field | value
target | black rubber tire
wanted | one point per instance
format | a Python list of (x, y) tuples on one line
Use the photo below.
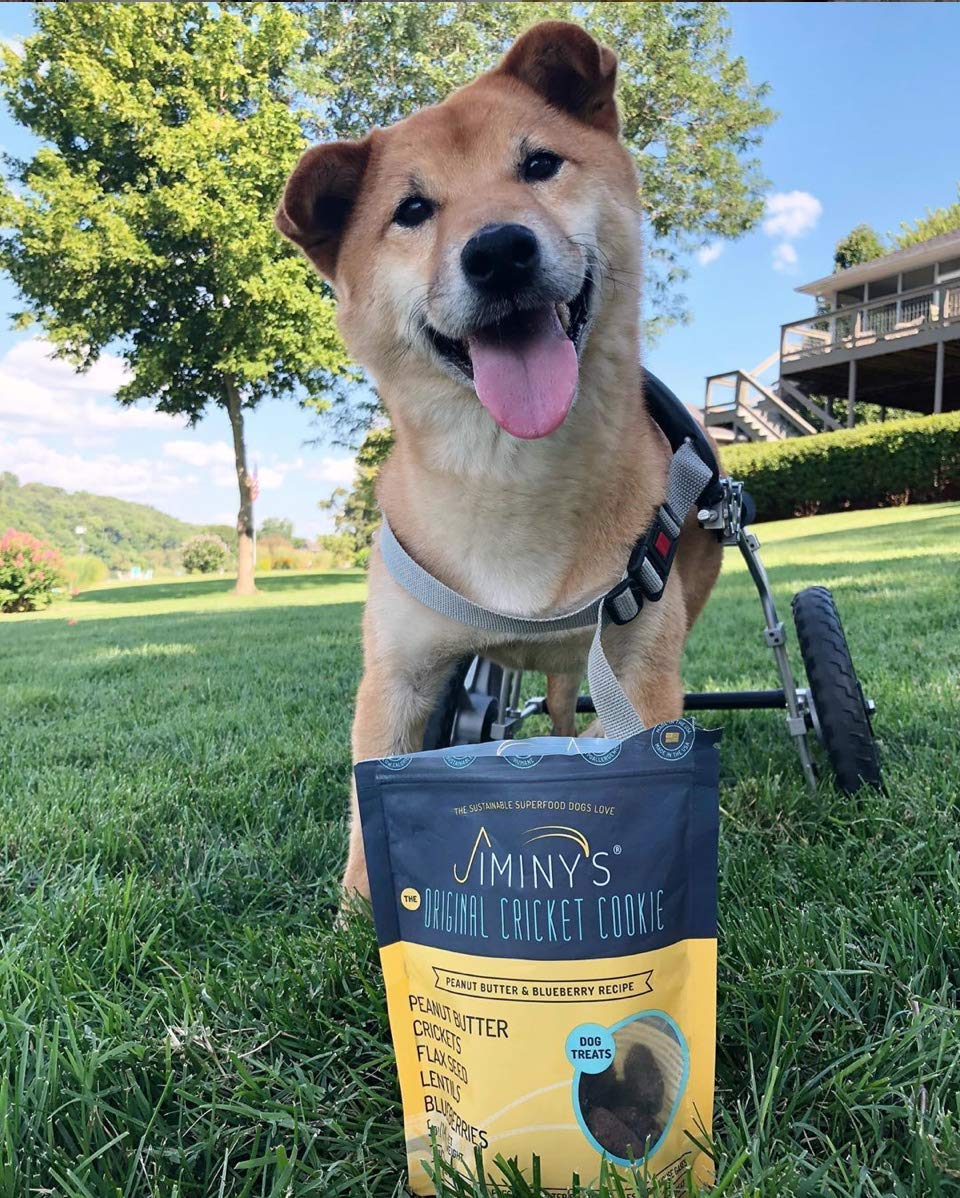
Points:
[(835, 689), (440, 724), (443, 727)]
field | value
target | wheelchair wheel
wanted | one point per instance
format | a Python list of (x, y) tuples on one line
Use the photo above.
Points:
[(840, 713), (467, 707)]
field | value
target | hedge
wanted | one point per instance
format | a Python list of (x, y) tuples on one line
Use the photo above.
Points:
[(877, 465)]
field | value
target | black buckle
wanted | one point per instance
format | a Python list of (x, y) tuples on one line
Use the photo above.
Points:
[(627, 584), (659, 548)]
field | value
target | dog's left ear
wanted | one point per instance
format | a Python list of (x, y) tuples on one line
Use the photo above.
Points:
[(569, 69)]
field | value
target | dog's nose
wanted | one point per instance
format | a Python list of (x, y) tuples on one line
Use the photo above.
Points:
[(500, 260)]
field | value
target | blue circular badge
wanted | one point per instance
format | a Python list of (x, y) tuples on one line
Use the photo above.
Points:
[(673, 740), (396, 763), (518, 756), (604, 758), (591, 1048), (458, 762)]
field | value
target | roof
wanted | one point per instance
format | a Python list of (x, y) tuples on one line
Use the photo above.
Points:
[(924, 253)]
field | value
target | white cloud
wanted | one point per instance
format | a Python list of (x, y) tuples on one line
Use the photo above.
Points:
[(338, 472), (201, 454), (784, 257), (114, 474), (41, 395), (271, 479), (33, 359), (790, 214), (709, 253), (216, 458)]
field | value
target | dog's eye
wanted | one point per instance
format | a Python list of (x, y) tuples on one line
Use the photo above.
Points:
[(540, 165), (413, 211)]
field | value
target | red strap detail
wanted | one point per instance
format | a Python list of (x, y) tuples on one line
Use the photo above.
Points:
[(662, 544)]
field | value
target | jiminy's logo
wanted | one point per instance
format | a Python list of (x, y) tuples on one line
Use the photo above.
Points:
[(538, 869)]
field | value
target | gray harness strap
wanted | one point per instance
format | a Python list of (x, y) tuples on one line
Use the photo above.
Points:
[(686, 479)]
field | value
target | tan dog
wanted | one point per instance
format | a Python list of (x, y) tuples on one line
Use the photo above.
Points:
[(485, 255)]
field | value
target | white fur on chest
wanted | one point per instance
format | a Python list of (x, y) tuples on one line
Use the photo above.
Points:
[(512, 566)]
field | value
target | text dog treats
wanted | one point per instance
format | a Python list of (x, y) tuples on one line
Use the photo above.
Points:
[(546, 914)]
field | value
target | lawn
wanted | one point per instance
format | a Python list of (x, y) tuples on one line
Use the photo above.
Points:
[(182, 1016)]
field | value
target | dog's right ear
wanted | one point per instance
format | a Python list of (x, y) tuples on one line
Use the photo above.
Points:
[(319, 198)]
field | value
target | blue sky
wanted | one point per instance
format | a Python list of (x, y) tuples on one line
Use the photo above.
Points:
[(865, 133)]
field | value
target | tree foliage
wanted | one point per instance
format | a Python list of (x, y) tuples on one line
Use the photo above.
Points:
[(277, 526), (936, 221), (144, 220), (861, 244), (354, 508)]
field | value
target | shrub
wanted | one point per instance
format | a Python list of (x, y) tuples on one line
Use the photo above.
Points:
[(29, 572), (85, 570), (285, 557), (877, 465), (205, 554), (341, 548)]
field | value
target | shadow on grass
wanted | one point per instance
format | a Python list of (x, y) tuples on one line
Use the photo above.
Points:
[(199, 588)]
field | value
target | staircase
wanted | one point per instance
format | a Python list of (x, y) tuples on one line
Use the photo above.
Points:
[(739, 407)]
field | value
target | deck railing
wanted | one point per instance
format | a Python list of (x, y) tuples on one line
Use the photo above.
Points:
[(890, 318), (737, 397)]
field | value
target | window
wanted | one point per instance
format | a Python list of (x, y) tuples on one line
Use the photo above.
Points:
[(949, 269)]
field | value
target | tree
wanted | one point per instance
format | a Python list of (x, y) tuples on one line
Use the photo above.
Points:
[(937, 221), (355, 511), (690, 114), (277, 526), (861, 244), (205, 554), (143, 223)]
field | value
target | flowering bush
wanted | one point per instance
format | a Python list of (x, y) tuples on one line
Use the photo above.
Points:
[(29, 571), (205, 554)]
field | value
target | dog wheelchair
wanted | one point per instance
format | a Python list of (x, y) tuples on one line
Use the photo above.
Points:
[(483, 701)]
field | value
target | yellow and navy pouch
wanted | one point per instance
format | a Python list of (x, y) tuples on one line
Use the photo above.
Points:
[(546, 915)]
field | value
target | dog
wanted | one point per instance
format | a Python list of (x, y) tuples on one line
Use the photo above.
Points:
[(485, 255)]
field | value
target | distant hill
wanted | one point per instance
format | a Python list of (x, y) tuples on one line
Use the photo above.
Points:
[(121, 534)]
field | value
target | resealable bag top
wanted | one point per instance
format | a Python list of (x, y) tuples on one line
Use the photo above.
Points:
[(546, 914)]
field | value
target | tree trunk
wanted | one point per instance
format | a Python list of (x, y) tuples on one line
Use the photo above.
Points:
[(245, 559)]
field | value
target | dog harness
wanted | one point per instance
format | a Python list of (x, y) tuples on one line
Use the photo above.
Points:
[(689, 476)]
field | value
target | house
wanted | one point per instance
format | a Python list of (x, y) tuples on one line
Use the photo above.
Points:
[(886, 332)]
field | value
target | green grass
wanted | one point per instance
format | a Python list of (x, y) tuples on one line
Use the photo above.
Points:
[(181, 1016)]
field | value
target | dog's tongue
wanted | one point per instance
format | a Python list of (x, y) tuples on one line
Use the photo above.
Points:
[(526, 380)]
